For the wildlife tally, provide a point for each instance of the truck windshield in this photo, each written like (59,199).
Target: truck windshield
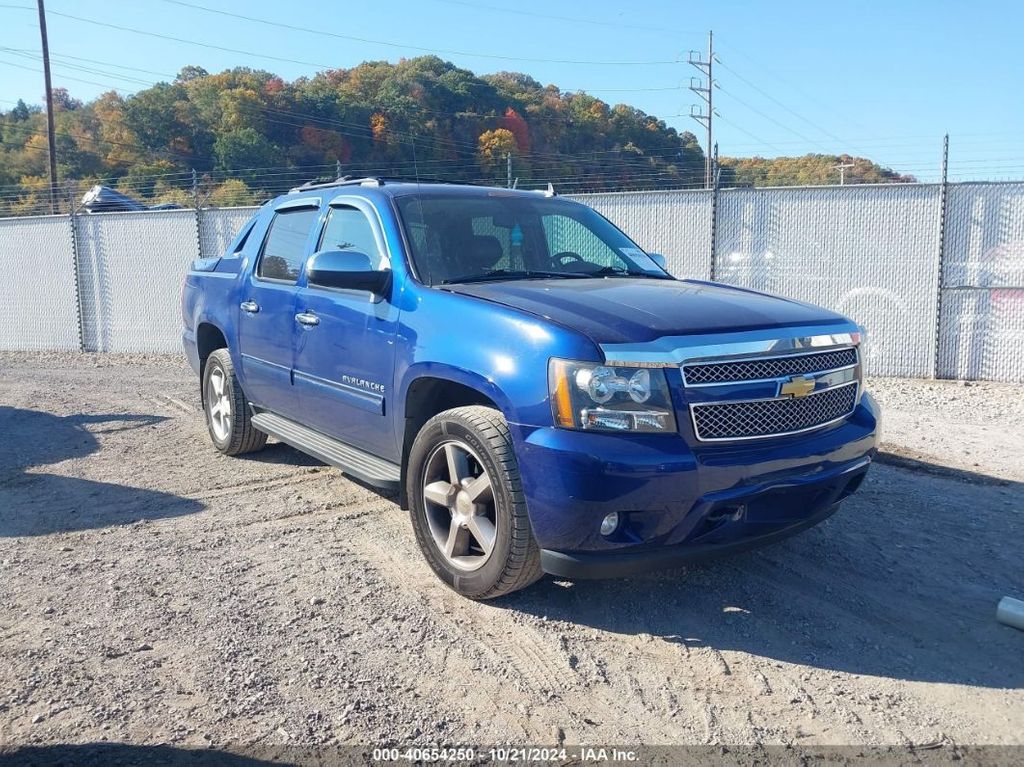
(461,238)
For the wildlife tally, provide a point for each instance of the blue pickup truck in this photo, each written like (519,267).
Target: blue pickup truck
(541,395)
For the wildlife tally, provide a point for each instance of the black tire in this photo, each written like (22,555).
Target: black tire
(238,435)
(514,560)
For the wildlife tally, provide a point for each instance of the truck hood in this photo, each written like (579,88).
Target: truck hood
(622,310)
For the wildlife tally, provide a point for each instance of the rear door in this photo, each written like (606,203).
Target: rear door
(344,364)
(266,322)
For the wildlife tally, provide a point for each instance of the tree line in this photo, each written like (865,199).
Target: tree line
(245,134)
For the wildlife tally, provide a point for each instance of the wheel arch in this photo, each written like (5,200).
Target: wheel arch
(432,392)
(209,338)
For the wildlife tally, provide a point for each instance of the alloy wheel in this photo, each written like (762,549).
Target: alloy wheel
(218,403)
(458,500)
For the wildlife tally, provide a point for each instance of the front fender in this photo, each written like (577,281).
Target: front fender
(496,350)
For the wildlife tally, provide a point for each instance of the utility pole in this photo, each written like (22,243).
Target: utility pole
(698,86)
(50,132)
(841,167)
(508,169)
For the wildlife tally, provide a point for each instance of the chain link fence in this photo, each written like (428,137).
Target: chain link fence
(38,303)
(870,253)
(675,224)
(112,282)
(981,328)
(131,268)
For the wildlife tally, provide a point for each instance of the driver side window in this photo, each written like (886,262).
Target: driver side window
(348,228)
(567,235)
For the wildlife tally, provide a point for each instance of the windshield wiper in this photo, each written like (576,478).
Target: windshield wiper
(618,271)
(512,274)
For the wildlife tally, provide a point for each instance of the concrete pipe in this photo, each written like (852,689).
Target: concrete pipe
(1011,612)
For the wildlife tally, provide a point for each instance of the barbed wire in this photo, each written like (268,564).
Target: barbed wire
(254,186)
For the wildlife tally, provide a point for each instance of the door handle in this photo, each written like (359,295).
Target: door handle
(307,318)
(250,307)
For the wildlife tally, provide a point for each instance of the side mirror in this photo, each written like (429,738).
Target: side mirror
(659,260)
(346,269)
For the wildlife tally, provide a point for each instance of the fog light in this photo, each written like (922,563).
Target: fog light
(610,523)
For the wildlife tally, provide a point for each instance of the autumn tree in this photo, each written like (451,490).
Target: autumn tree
(494,146)
(376,117)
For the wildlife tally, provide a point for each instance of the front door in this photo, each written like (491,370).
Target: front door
(344,362)
(266,314)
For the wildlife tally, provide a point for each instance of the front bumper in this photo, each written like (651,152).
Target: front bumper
(743,537)
(681,503)
(581,566)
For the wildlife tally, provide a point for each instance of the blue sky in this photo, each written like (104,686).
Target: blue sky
(877,79)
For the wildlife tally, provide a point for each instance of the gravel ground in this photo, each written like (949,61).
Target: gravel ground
(153,591)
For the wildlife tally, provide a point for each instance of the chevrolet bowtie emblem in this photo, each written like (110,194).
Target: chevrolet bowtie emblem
(797,386)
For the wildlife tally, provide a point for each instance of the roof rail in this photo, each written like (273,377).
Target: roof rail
(342,181)
(374,181)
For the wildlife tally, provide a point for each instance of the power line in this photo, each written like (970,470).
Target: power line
(751,135)
(65,77)
(769,117)
(314,65)
(460,114)
(572,19)
(75,67)
(405,46)
(761,68)
(780,104)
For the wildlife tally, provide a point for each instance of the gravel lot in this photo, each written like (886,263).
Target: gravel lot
(153,591)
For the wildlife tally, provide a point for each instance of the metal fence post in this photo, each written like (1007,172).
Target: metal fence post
(714,213)
(197,207)
(76,265)
(943,194)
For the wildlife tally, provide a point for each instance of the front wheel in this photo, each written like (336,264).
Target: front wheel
(228,418)
(467,505)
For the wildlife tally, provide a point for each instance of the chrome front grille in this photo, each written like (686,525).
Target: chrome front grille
(697,374)
(772,417)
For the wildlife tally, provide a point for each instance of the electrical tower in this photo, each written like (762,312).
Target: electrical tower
(704,90)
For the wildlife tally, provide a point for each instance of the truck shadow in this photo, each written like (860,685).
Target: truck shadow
(902,583)
(39,503)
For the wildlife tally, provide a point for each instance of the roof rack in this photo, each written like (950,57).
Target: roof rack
(341,181)
(374,181)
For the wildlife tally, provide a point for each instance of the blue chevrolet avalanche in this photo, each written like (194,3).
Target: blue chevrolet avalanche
(539,392)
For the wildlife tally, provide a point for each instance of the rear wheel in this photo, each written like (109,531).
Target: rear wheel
(228,417)
(467,504)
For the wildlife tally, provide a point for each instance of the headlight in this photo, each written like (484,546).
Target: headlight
(588,395)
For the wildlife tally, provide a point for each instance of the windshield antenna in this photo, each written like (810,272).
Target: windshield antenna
(415,165)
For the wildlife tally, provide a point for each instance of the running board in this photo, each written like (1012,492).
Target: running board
(351,460)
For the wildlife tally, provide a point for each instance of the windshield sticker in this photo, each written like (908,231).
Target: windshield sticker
(633,253)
